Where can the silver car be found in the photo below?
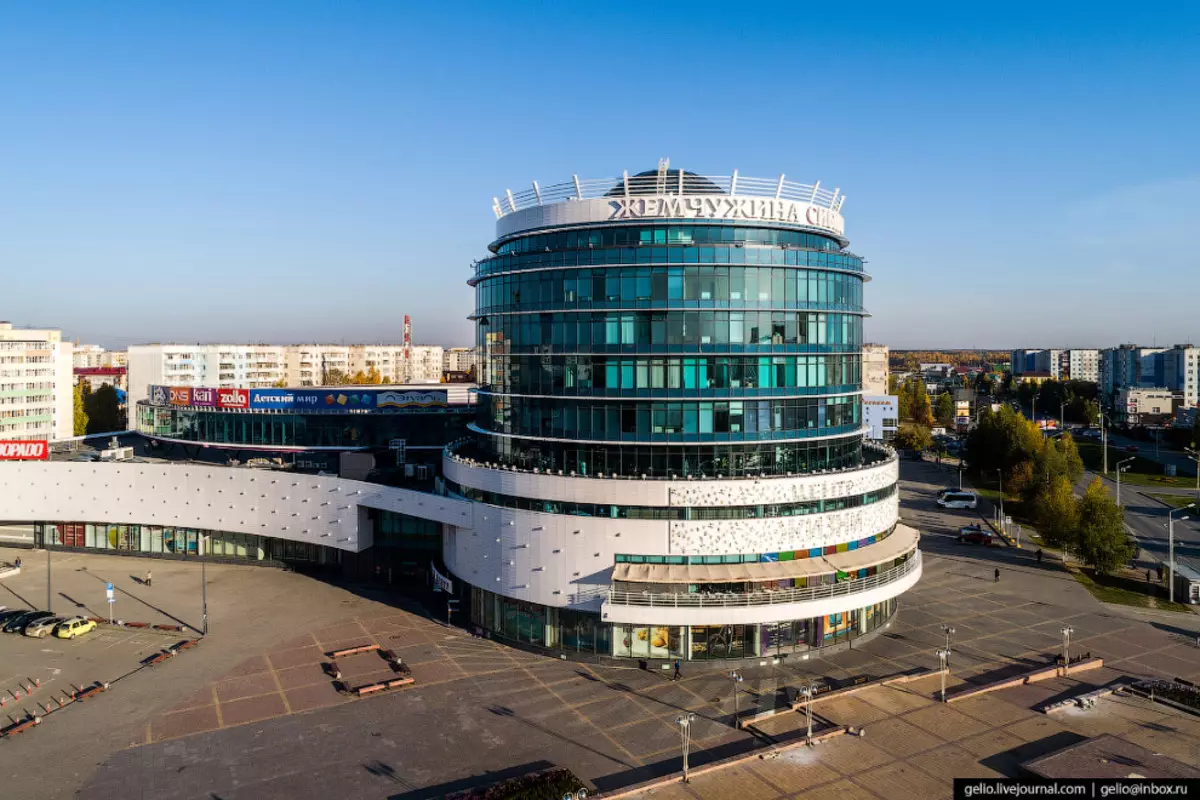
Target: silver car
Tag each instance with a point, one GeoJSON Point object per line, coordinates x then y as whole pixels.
{"type": "Point", "coordinates": [43, 627]}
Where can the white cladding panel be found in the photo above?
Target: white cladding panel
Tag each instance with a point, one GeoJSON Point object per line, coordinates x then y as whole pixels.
{"type": "Point", "coordinates": [772, 534]}
{"type": "Point", "coordinates": [304, 508]}
{"type": "Point", "coordinates": [726, 492]}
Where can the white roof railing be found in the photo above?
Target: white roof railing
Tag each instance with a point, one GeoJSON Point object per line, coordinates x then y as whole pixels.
{"type": "Point", "coordinates": [667, 183]}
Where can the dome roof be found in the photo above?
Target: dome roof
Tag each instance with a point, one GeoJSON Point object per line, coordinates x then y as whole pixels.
{"type": "Point", "coordinates": [653, 181]}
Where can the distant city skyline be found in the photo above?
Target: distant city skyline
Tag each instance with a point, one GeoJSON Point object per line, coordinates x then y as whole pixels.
{"type": "Point", "coordinates": [313, 171]}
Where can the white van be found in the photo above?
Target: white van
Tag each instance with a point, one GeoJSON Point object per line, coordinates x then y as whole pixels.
{"type": "Point", "coordinates": [956, 499]}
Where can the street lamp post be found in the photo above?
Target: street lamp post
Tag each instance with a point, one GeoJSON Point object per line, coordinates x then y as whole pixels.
{"type": "Point", "coordinates": [1104, 440]}
{"type": "Point", "coordinates": [948, 631]}
{"type": "Point", "coordinates": [684, 721]}
{"type": "Point", "coordinates": [1067, 630]}
{"type": "Point", "coordinates": [1171, 548]}
{"type": "Point", "coordinates": [1194, 455]}
{"type": "Point", "coordinates": [944, 661]}
{"type": "Point", "coordinates": [203, 585]}
{"type": "Point", "coordinates": [808, 693]}
{"type": "Point", "coordinates": [1121, 469]}
{"type": "Point", "coordinates": [735, 678]}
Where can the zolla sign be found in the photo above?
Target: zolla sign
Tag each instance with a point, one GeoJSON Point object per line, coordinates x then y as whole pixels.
{"type": "Point", "coordinates": [719, 206]}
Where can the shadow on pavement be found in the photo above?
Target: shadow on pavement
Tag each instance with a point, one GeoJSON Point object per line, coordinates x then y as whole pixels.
{"type": "Point", "coordinates": [472, 782]}
{"type": "Point", "coordinates": [1008, 763]}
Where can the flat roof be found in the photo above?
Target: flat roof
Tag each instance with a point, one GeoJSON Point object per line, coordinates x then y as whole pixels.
{"type": "Point", "coordinates": [1108, 757]}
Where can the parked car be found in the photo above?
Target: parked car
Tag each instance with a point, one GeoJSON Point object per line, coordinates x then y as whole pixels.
{"type": "Point", "coordinates": [17, 624]}
{"type": "Point", "coordinates": [10, 613]}
{"type": "Point", "coordinates": [957, 499]}
{"type": "Point", "coordinates": [40, 629]}
{"type": "Point", "coordinates": [975, 534]}
{"type": "Point", "coordinates": [74, 626]}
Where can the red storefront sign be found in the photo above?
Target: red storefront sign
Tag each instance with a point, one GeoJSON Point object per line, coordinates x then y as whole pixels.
{"type": "Point", "coordinates": [24, 451]}
{"type": "Point", "coordinates": [233, 398]}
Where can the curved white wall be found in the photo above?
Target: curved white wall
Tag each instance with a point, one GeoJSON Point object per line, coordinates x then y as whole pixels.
{"type": "Point", "coordinates": [725, 492]}
{"type": "Point", "coordinates": [318, 510]}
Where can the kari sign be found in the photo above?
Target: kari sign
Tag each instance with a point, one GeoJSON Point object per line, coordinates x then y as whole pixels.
{"type": "Point", "coordinates": [24, 451]}
{"type": "Point", "coordinates": [204, 397]}
{"type": "Point", "coordinates": [233, 398]}
{"type": "Point", "coordinates": [181, 395]}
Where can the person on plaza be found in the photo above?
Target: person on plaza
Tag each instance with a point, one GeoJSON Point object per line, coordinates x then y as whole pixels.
{"type": "Point", "coordinates": [1160, 573]}
{"type": "Point", "coordinates": [18, 562]}
{"type": "Point", "coordinates": [1147, 576]}
{"type": "Point", "coordinates": [146, 580]}
{"type": "Point", "coordinates": [678, 672]}
{"type": "Point", "coordinates": [1039, 555]}
{"type": "Point", "coordinates": [996, 578]}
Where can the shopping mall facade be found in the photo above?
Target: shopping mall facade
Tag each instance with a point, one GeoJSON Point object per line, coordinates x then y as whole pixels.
{"type": "Point", "coordinates": [667, 457]}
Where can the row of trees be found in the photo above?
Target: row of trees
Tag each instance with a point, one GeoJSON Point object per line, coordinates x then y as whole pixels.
{"type": "Point", "coordinates": [1043, 473]}
{"type": "Point", "coordinates": [97, 412]}
{"type": "Point", "coordinates": [1076, 400]}
{"type": "Point", "coordinates": [337, 377]}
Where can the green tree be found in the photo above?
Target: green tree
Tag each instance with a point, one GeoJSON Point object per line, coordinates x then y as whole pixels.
{"type": "Point", "coordinates": [919, 406]}
{"type": "Point", "coordinates": [913, 437]}
{"type": "Point", "coordinates": [1057, 513]}
{"type": "Point", "coordinates": [104, 411]}
{"type": "Point", "coordinates": [945, 410]}
{"type": "Point", "coordinates": [82, 391]}
{"type": "Point", "coordinates": [1101, 541]}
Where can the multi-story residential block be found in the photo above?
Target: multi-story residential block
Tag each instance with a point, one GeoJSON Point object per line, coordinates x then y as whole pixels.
{"type": "Point", "coordinates": [93, 356]}
{"type": "Point", "coordinates": [459, 359]}
{"type": "Point", "coordinates": [216, 365]}
{"type": "Point", "coordinates": [1181, 372]}
{"type": "Point", "coordinates": [875, 369]}
{"type": "Point", "coordinates": [36, 384]}
{"type": "Point", "coordinates": [313, 364]}
{"type": "Point", "coordinates": [1129, 366]}
{"type": "Point", "coordinates": [424, 365]}
{"type": "Point", "coordinates": [1080, 365]}
{"type": "Point", "coordinates": [1145, 406]}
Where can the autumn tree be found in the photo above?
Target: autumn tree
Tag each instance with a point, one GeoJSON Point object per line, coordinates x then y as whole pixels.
{"type": "Point", "coordinates": [80, 423]}
{"type": "Point", "coordinates": [1101, 541]}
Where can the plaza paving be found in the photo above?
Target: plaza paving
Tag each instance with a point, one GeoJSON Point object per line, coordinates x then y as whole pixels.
{"type": "Point", "coordinates": [251, 714]}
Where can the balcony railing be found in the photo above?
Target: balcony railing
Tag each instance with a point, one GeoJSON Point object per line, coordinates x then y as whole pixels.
{"type": "Point", "coordinates": [781, 596]}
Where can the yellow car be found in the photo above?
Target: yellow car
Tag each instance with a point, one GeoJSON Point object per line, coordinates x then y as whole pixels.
{"type": "Point", "coordinates": [74, 626]}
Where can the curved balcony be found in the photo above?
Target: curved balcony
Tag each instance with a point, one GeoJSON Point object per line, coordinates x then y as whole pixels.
{"type": "Point", "coordinates": [683, 608]}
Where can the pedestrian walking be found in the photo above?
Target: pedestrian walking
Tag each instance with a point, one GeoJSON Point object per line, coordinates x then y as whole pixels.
{"type": "Point", "coordinates": [1160, 573]}
{"type": "Point", "coordinates": [1039, 555]}
{"type": "Point", "coordinates": [996, 578]}
{"type": "Point", "coordinates": [146, 580]}
{"type": "Point", "coordinates": [18, 562]}
{"type": "Point", "coordinates": [1147, 576]}
{"type": "Point", "coordinates": [678, 672]}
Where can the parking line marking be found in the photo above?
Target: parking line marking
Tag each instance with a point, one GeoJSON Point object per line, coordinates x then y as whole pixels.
{"type": "Point", "coordinates": [275, 677]}
{"type": "Point", "coordinates": [217, 706]}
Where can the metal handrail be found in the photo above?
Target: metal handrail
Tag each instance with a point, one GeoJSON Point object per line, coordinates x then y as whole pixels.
{"type": "Point", "coordinates": [698, 600]}
{"type": "Point", "coordinates": [670, 183]}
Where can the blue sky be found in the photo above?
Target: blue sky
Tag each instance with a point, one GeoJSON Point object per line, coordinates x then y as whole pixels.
{"type": "Point", "coordinates": [299, 171]}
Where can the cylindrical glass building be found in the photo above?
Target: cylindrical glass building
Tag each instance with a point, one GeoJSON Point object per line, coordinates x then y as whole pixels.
{"type": "Point", "coordinates": [671, 369]}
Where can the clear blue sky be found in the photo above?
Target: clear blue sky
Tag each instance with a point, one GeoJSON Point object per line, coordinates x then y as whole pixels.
{"type": "Point", "coordinates": [299, 171]}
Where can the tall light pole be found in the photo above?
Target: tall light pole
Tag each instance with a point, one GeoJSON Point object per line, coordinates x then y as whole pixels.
{"type": "Point", "coordinates": [735, 677]}
{"type": "Point", "coordinates": [203, 586]}
{"type": "Point", "coordinates": [808, 693]}
{"type": "Point", "coordinates": [1194, 455]}
{"type": "Point", "coordinates": [1000, 474]}
{"type": "Point", "coordinates": [1067, 630]}
{"type": "Point", "coordinates": [684, 721]}
{"type": "Point", "coordinates": [1171, 548]}
{"type": "Point", "coordinates": [1104, 439]}
{"type": "Point", "coordinates": [944, 661]}
{"type": "Point", "coordinates": [1121, 469]}
{"type": "Point", "coordinates": [948, 631]}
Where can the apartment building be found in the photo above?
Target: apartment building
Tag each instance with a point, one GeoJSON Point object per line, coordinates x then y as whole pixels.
{"type": "Point", "coordinates": [93, 356]}
{"type": "Point", "coordinates": [875, 369]}
{"type": "Point", "coordinates": [36, 384]}
{"type": "Point", "coordinates": [425, 365]}
{"type": "Point", "coordinates": [217, 365]}
{"type": "Point", "coordinates": [313, 364]}
{"type": "Point", "coordinates": [460, 359]}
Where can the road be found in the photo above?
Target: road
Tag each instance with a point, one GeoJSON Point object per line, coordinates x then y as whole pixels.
{"type": "Point", "coordinates": [1146, 519]}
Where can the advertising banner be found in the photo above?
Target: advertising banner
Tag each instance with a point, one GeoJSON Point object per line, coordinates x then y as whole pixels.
{"type": "Point", "coordinates": [440, 581]}
{"type": "Point", "coordinates": [160, 395]}
{"type": "Point", "coordinates": [233, 398]}
{"type": "Point", "coordinates": [181, 395]}
{"type": "Point", "coordinates": [37, 450]}
{"type": "Point", "coordinates": [335, 399]}
{"type": "Point", "coordinates": [205, 398]}
{"type": "Point", "coordinates": [410, 399]}
{"type": "Point", "coordinates": [272, 398]}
